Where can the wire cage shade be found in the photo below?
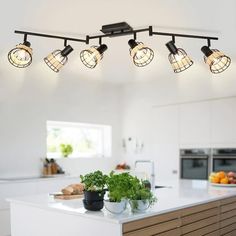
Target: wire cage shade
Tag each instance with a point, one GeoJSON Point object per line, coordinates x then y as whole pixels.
{"type": "Point", "coordinates": [180, 61]}
{"type": "Point", "coordinates": [20, 56]}
{"type": "Point", "coordinates": [217, 61]}
{"type": "Point", "coordinates": [91, 57]}
{"type": "Point", "coordinates": [141, 54]}
{"type": "Point", "coordinates": [55, 60]}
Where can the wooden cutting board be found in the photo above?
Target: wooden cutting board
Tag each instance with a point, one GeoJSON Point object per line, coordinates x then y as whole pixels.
{"type": "Point", "coordinates": [67, 197]}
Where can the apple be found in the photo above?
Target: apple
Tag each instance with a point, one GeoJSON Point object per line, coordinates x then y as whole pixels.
{"type": "Point", "coordinates": [231, 180]}
{"type": "Point", "coordinates": [231, 174]}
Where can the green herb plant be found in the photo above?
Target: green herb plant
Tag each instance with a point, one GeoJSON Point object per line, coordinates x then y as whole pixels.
{"type": "Point", "coordinates": [139, 191]}
{"type": "Point", "coordinates": [66, 149]}
{"type": "Point", "coordinates": [118, 186]}
{"type": "Point", "coordinates": [94, 182]}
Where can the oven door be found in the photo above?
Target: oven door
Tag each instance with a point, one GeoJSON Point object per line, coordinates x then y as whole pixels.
{"type": "Point", "coordinates": [194, 167]}
{"type": "Point", "coordinates": [223, 163]}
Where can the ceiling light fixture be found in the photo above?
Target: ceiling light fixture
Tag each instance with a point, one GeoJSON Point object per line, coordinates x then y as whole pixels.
{"type": "Point", "coordinates": [21, 55]}
{"type": "Point", "coordinates": [58, 58]}
{"type": "Point", "coordinates": [217, 61]}
{"type": "Point", "coordinates": [178, 58]}
{"type": "Point", "coordinates": [92, 56]}
{"type": "Point", "coordinates": [140, 54]}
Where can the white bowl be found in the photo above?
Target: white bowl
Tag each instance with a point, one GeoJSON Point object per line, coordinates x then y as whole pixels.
{"type": "Point", "coordinates": [115, 207]}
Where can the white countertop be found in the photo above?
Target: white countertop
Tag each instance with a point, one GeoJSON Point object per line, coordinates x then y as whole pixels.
{"type": "Point", "coordinates": [182, 194]}
{"type": "Point", "coordinates": [8, 180]}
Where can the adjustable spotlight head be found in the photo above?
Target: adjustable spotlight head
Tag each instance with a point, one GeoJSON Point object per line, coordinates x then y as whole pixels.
{"type": "Point", "coordinates": [92, 56]}
{"type": "Point", "coordinates": [217, 61]}
{"type": "Point", "coordinates": [21, 55]}
{"type": "Point", "coordinates": [141, 54]}
{"type": "Point", "coordinates": [178, 58]}
{"type": "Point", "coordinates": [58, 58]}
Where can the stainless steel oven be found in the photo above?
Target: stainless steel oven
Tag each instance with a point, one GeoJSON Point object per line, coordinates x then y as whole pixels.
{"type": "Point", "coordinates": [224, 160]}
{"type": "Point", "coordinates": [194, 163]}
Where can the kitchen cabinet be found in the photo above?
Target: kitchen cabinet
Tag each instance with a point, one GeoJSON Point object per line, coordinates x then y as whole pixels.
{"type": "Point", "coordinates": [162, 140]}
{"type": "Point", "coordinates": [194, 125]}
{"type": "Point", "coordinates": [223, 123]}
{"type": "Point", "coordinates": [208, 124]}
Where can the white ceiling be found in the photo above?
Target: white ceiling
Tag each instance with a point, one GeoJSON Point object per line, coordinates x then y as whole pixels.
{"type": "Point", "coordinates": [78, 17]}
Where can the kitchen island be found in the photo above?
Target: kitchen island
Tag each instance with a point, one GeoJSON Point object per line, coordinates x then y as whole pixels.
{"type": "Point", "coordinates": [188, 208]}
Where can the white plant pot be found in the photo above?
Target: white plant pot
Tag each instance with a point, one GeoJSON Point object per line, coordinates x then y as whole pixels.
{"type": "Point", "coordinates": [139, 205]}
{"type": "Point", "coordinates": [115, 207]}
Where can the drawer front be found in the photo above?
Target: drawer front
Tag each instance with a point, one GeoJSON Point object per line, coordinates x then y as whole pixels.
{"type": "Point", "coordinates": [150, 221]}
{"type": "Point", "coordinates": [199, 224]}
{"type": "Point", "coordinates": [199, 216]}
{"type": "Point", "coordinates": [156, 229]}
{"type": "Point", "coordinates": [174, 232]}
{"type": "Point", "coordinates": [208, 230]}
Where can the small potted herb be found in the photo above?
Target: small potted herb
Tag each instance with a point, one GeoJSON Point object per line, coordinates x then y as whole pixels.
{"type": "Point", "coordinates": [66, 149]}
{"type": "Point", "coordinates": [94, 190]}
{"type": "Point", "coordinates": [140, 197]}
{"type": "Point", "coordinates": [118, 186]}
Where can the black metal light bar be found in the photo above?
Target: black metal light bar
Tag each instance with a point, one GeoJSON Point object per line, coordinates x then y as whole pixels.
{"type": "Point", "coordinates": [120, 32]}
{"type": "Point", "coordinates": [181, 35]}
{"type": "Point", "coordinates": [114, 34]}
{"type": "Point", "coordinates": [50, 36]}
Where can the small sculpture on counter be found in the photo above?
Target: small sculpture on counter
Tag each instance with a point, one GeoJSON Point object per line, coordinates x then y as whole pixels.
{"type": "Point", "coordinates": [50, 167]}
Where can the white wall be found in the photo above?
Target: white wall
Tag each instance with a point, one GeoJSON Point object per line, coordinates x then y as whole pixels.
{"type": "Point", "coordinates": [31, 97]}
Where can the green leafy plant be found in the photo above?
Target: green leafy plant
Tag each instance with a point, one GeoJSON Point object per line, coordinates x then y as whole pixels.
{"type": "Point", "coordinates": [139, 191]}
{"type": "Point", "coordinates": [118, 186]}
{"type": "Point", "coordinates": [66, 149]}
{"type": "Point", "coordinates": [95, 181]}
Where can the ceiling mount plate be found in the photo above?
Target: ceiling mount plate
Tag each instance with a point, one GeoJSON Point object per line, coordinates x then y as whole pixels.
{"type": "Point", "coordinates": [116, 28]}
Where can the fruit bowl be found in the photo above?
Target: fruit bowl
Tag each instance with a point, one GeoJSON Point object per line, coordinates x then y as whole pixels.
{"type": "Point", "coordinates": [223, 185]}
{"type": "Point", "coordinates": [223, 179]}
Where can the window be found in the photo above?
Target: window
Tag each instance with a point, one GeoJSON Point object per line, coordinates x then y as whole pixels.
{"type": "Point", "coordinates": [86, 140]}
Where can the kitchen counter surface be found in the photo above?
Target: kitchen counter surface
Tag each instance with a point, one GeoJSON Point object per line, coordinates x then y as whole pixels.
{"type": "Point", "coordinates": [180, 194]}
{"type": "Point", "coordinates": [35, 178]}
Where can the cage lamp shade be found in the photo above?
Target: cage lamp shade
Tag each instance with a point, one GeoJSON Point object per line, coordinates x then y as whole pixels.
{"type": "Point", "coordinates": [140, 54]}
{"type": "Point", "coordinates": [21, 55]}
{"type": "Point", "coordinates": [217, 61]}
{"type": "Point", "coordinates": [92, 56]}
{"type": "Point", "coordinates": [178, 58]}
{"type": "Point", "coordinates": [58, 58]}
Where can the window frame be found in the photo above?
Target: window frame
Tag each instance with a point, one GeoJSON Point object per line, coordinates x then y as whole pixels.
{"type": "Point", "coordinates": [106, 138]}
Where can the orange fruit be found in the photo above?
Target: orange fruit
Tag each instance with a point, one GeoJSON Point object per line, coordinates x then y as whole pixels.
{"type": "Point", "coordinates": [224, 180]}
{"type": "Point", "coordinates": [215, 180]}
{"type": "Point", "coordinates": [221, 174]}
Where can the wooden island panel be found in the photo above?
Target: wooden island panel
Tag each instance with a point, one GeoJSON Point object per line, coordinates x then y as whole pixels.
{"type": "Point", "coordinates": [216, 218]}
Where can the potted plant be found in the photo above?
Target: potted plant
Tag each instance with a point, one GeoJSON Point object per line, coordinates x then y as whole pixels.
{"type": "Point", "coordinates": [66, 149]}
{"type": "Point", "coordinates": [140, 197]}
{"type": "Point", "coordinates": [94, 190]}
{"type": "Point", "coordinates": [118, 186]}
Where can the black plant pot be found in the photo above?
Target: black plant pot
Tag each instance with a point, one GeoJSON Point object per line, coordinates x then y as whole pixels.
{"type": "Point", "coordinates": [93, 201]}
{"type": "Point", "coordinates": [91, 196]}
{"type": "Point", "coordinates": [93, 206]}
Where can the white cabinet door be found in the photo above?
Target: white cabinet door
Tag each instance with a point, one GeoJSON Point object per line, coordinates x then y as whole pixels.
{"type": "Point", "coordinates": [224, 122]}
{"type": "Point", "coordinates": [194, 125]}
{"type": "Point", "coordinates": [164, 139]}
{"type": "Point", "coordinates": [5, 222]}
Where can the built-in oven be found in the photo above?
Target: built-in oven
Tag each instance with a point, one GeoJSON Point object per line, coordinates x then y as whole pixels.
{"type": "Point", "coordinates": [224, 160]}
{"type": "Point", "coordinates": [194, 163]}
